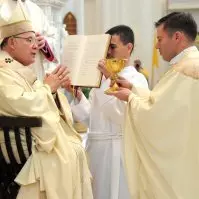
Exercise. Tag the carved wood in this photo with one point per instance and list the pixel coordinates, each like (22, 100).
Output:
(71, 23)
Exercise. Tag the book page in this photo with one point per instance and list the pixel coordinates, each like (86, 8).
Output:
(95, 49)
(72, 50)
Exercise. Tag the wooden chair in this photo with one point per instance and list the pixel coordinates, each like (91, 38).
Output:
(10, 169)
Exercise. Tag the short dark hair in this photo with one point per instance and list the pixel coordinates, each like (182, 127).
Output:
(125, 32)
(179, 21)
(4, 43)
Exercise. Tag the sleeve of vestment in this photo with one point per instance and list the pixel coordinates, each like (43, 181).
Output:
(112, 108)
(160, 148)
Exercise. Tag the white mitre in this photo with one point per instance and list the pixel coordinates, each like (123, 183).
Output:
(14, 19)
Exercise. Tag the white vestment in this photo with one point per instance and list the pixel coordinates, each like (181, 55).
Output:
(57, 167)
(104, 137)
(41, 25)
(161, 136)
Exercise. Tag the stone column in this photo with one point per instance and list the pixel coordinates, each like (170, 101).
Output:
(52, 9)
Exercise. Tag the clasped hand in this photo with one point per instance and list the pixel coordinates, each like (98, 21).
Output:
(57, 78)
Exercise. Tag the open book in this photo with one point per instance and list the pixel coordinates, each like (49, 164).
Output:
(81, 55)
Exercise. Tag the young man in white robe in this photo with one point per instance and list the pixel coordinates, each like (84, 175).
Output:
(57, 167)
(161, 139)
(105, 115)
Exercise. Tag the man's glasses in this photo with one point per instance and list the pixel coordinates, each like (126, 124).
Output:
(30, 40)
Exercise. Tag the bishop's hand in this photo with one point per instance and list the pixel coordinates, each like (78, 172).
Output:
(57, 78)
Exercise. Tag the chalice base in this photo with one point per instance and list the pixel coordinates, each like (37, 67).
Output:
(112, 89)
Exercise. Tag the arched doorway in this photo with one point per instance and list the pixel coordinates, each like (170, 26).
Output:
(71, 23)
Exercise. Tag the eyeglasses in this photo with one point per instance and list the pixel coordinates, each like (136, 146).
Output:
(30, 40)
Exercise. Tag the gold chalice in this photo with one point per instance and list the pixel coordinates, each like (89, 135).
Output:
(114, 66)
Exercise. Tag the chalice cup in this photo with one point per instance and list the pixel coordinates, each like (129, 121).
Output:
(114, 66)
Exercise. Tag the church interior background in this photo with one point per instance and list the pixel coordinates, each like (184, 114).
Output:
(97, 16)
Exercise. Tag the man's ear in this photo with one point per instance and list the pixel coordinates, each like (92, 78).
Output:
(11, 43)
(178, 36)
(130, 47)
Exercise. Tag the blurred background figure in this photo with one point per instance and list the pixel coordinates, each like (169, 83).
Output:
(140, 69)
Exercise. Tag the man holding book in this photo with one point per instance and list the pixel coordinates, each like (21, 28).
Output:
(104, 115)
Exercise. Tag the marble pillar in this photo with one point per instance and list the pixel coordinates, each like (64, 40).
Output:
(52, 9)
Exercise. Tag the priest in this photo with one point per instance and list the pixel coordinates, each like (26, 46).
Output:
(161, 139)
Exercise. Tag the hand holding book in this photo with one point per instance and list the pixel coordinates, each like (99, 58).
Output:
(81, 54)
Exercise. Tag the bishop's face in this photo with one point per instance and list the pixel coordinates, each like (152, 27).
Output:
(24, 48)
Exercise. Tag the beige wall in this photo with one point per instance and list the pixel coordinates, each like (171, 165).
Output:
(140, 15)
(97, 16)
(89, 17)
